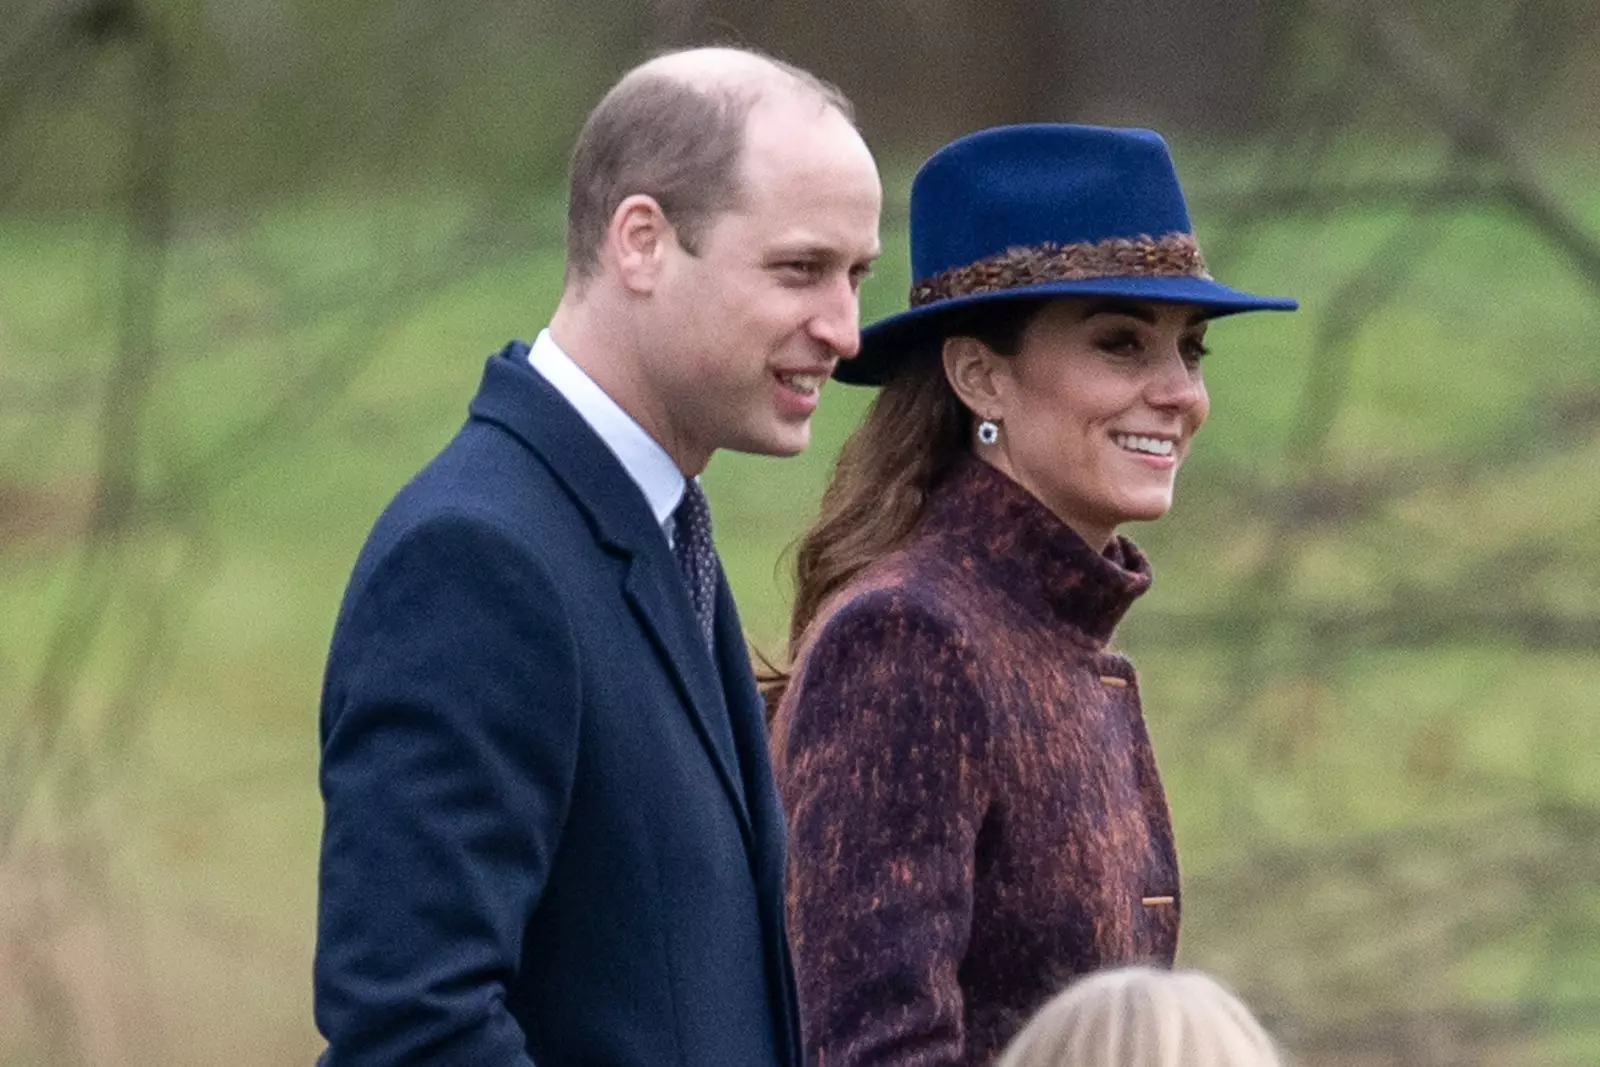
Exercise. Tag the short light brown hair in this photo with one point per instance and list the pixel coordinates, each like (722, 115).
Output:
(1143, 1017)
(665, 137)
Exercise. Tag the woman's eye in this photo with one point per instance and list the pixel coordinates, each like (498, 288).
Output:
(1121, 343)
(1194, 350)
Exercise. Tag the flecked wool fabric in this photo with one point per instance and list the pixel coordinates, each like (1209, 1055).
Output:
(974, 810)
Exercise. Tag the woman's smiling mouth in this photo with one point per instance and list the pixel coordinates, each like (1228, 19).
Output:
(1144, 445)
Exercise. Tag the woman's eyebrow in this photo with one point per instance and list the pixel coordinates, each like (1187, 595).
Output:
(1120, 307)
(1143, 312)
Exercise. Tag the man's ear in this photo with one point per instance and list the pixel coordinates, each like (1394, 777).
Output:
(637, 241)
(978, 375)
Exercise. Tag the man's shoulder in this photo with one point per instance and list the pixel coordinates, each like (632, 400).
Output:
(481, 471)
(481, 481)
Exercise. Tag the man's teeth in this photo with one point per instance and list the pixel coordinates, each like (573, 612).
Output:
(1155, 446)
(803, 383)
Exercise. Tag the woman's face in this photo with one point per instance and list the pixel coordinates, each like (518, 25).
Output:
(1098, 409)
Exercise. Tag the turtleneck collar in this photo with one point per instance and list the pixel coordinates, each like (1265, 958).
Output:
(1018, 545)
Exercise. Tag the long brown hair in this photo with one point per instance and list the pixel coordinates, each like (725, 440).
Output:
(913, 435)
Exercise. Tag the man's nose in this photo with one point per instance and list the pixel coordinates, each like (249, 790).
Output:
(837, 323)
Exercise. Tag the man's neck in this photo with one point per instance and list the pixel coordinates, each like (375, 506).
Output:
(599, 340)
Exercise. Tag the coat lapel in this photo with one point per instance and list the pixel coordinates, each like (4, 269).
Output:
(747, 721)
(659, 599)
(515, 397)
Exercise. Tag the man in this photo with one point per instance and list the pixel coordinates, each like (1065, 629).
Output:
(551, 832)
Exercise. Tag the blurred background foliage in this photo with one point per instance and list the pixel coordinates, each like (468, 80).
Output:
(252, 253)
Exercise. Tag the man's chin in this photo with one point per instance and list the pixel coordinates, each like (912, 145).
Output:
(778, 446)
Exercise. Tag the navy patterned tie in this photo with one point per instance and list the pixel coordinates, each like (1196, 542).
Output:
(697, 557)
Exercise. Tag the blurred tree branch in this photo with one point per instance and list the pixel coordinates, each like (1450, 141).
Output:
(1395, 44)
(1440, 620)
(145, 549)
(135, 358)
(1263, 632)
(1389, 911)
(1313, 200)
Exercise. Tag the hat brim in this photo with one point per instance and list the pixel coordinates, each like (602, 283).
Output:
(887, 341)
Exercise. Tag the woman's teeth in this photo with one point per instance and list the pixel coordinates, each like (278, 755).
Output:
(1154, 446)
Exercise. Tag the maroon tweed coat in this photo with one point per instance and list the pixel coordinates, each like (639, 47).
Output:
(975, 815)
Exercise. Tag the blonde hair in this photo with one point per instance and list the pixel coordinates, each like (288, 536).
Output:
(1143, 1017)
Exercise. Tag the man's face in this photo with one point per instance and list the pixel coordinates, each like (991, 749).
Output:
(750, 328)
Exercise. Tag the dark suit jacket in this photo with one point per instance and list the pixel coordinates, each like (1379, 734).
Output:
(552, 835)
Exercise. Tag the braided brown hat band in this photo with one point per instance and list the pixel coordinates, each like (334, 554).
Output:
(1175, 255)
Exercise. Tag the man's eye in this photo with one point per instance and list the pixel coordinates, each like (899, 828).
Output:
(1194, 350)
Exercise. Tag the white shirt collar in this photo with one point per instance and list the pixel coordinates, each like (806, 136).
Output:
(646, 462)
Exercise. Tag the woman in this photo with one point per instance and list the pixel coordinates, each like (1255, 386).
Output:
(1139, 1017)
(975, 814)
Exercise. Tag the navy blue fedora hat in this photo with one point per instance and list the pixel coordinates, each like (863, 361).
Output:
(1044, 210)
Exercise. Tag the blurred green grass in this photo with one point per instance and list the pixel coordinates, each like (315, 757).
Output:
(1459, 383)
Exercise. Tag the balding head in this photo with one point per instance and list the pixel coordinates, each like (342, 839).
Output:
(674, 129)
(718, 66)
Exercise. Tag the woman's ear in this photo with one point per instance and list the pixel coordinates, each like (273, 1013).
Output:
(978, 375)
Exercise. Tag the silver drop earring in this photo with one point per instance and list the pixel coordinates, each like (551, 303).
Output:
(988, 432)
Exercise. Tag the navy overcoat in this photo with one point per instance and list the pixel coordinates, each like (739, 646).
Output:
(551, 836)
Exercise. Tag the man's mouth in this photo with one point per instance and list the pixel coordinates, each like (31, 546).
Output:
(1149, 446)
(804, 383)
